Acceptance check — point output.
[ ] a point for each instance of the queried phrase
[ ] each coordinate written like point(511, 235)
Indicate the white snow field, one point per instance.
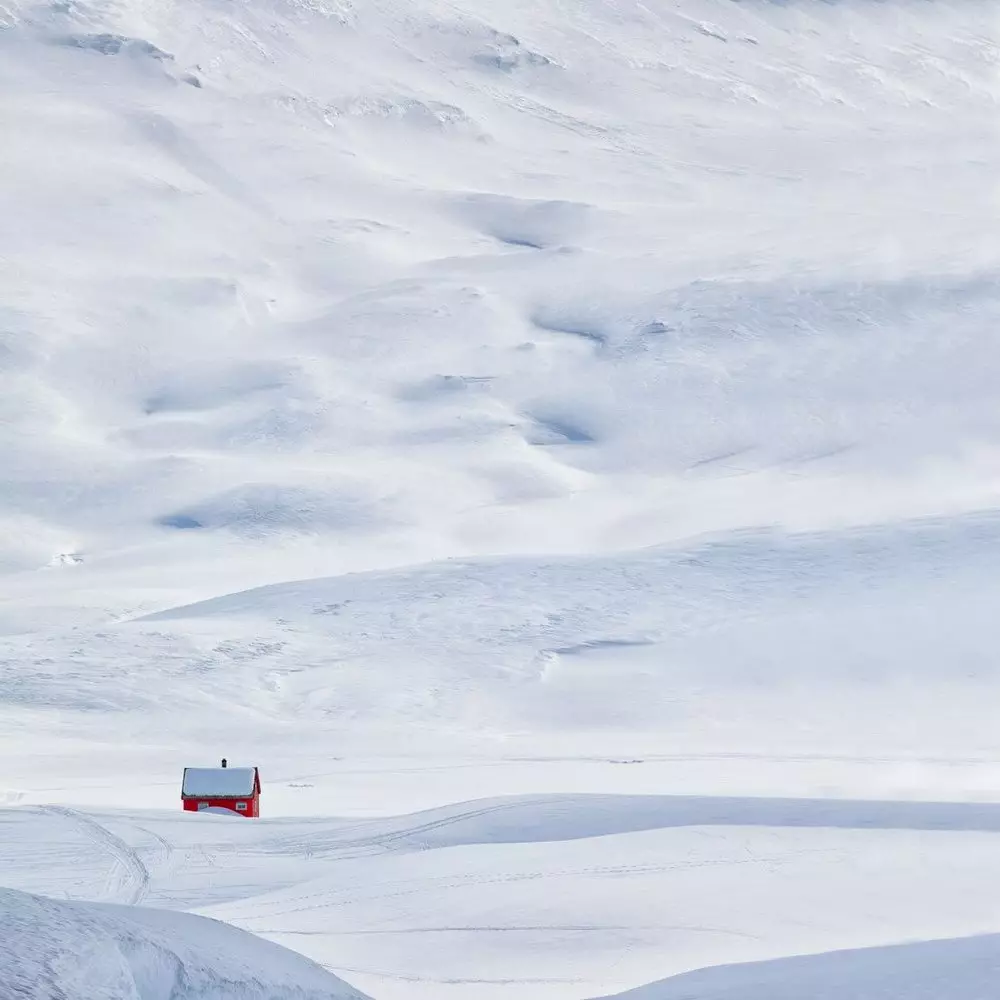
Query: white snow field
point(556, 441)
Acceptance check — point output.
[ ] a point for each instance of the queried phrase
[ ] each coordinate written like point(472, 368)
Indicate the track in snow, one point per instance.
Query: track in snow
point(128, 879)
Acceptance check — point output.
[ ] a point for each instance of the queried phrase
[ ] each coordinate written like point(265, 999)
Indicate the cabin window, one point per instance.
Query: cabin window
point(241, 806)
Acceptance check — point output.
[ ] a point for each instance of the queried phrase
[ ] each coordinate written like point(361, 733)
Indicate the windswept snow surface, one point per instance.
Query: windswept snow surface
point(54, 950)
point(555, 442)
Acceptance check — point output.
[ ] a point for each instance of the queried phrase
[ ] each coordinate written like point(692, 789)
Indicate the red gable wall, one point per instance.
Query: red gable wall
point(252, 805)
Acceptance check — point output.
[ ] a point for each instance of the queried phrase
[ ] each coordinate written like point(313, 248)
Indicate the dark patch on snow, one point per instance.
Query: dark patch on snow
point(721, 456)
point(593, 644)
point(182, 522)
point(157, 404)
point(557, 430)
point(515, 242)
point(654, 329)
point(711, 32)
point(519, 222)
point(647, 337)
point(586, 329)
point(820, 454)
point(108, 44)
point(260, 510)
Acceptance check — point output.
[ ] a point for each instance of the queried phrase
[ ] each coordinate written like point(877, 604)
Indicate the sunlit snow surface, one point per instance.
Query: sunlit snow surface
point(555, 441)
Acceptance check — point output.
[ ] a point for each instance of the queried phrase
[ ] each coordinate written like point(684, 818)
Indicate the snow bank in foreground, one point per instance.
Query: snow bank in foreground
point(959, 969)
point(90, 951)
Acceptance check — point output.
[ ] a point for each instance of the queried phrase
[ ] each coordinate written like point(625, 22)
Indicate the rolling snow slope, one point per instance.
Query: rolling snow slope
point(55, 950)
point(555, 441)
point(549, 895)
point(962, 970)
point(394, 282)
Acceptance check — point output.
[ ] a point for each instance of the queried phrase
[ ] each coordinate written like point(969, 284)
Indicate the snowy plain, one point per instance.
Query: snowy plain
point(556, 441)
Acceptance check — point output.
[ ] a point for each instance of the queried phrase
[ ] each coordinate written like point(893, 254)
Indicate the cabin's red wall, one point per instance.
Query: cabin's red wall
point(252, 801)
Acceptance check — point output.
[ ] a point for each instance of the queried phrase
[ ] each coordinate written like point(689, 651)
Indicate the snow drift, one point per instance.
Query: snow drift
point(99, 951)
point(962, 969)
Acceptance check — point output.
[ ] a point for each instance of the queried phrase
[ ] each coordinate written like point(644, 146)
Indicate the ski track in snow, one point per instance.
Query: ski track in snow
point(128, 880)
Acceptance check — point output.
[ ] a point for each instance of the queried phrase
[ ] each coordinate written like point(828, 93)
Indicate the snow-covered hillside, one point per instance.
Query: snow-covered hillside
point(67, 950)
point(572, 417)
point(960, 970)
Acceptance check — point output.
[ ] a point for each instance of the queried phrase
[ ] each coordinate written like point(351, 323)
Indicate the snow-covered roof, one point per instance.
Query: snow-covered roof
point(219, 782)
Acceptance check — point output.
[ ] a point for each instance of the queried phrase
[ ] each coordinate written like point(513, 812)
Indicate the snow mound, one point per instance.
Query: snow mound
point(256, 511)
point(91, 951)
point(517, 222)
point(960, 969)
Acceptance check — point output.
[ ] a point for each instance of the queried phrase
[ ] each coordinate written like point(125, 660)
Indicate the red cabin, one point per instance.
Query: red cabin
point(233, 788)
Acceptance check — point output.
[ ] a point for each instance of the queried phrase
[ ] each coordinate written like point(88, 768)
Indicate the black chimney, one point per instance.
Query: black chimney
point(225, 763)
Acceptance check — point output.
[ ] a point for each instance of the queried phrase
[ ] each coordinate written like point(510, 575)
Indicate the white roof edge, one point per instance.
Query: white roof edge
point(218, 782)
